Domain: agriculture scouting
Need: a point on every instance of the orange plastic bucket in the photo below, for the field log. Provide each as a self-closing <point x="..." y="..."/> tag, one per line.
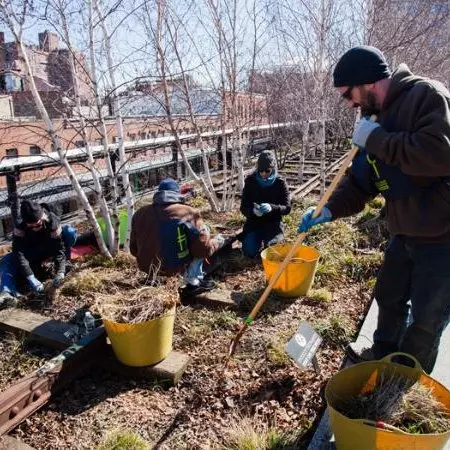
<point x="298" y="275"/>
<point x="355" y="434"/>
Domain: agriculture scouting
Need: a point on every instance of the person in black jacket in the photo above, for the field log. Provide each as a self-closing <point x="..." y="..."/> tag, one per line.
<point x="36" y="238"/>
<point x="265" y="199"/>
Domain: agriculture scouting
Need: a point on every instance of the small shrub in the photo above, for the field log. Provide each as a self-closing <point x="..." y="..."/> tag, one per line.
<point x="337" y="330"/>
<point x="234" y="218"/>
<point x="377" y="202"/>
<point x="321" y="295"/>
<point x="198" y="202"/>
<point x="362" y="267"/>
<point x="254" y="434"/>
<point x="82" y="283"/>
<point x="123" y="440"/>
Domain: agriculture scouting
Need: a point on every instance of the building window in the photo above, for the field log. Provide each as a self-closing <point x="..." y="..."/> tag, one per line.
<point x="143" y="135"/>
<point x="11" y="153"/>
<point x="79" y="144"/>
<point x="35" y="150"/>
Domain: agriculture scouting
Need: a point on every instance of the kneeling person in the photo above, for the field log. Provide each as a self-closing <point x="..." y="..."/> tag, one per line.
<point x="172" y="235"/>
<point x="36" y="238"/>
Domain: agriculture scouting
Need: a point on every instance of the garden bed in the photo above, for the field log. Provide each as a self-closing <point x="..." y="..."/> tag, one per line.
<point x="262" y="395"/>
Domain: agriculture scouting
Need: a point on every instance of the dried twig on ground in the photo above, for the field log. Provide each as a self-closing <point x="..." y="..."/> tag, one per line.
<point x="400" y="402"/>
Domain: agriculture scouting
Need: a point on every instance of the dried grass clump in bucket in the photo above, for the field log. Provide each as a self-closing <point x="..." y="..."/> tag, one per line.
<point x="138" y="305"/>
<point x="401" y="403"/>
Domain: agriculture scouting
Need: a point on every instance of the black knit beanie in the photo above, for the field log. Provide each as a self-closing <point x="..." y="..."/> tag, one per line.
<point x="360" y="65"/>
<point x="30" y="211"/>
<point x="266" y="160"/>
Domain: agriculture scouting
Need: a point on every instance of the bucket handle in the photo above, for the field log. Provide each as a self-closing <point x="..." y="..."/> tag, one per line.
<point x="381" y="425"/>
<point x="294" y="259"/>
<point x="389" y="358"/>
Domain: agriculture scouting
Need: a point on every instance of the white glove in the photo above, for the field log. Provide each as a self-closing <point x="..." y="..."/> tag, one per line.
<point x="220" y="241"/>
<point x="265" y="208"/>
<point x="363" y="128"/>
<point x="257" y="212"/>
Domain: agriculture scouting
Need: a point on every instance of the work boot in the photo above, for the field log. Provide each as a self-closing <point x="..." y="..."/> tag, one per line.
<point x="204" y="286"/>
<point x="7" y="300"/>
<point x="360" y="352"/>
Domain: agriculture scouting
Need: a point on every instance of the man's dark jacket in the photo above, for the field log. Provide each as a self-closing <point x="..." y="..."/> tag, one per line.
<point x="414" y="137"/>
<point x="32" y="248"/>
<point x="277" y="195"/>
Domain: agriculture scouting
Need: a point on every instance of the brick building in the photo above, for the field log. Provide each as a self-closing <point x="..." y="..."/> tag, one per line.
<point x="51" y="72"/>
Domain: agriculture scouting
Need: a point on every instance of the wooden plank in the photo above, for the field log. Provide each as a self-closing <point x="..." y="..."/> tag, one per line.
<point x="217" y="297"/>
<point x="167" y="372"/>
<point x="38" y="328"/>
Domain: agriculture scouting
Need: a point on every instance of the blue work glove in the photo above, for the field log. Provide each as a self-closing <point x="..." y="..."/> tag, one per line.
<point x="256" y="211"/>
<point x="58" y="280"/>
<point x="363" y="128"/>
<point x="308" y="221"/>
<point x="265" y="208"/>
<point x="35" y="284"/>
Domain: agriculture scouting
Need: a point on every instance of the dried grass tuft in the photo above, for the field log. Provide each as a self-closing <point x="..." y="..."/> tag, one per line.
<point x="140" y="305"/>
<point x="399" y="402"/>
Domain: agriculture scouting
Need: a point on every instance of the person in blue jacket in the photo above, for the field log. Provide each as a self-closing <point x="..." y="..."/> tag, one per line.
<point x="265" y="199"/>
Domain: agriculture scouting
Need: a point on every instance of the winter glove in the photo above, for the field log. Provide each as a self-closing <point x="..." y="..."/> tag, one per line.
<point x="308" y="222"/>
<point x="363" y="128"/>
<point x="220" y="241"/>
<point x="35" y="284"/>
<point x="265" y="208"/>
<point x="256" y="211"/>
<point x="58" y="280"/>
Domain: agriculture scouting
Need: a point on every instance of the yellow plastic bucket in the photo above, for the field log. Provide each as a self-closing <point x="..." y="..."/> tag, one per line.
<point x="354" y="434"/>
<point x="142" y="344"/>
<point x="298" y="275"/>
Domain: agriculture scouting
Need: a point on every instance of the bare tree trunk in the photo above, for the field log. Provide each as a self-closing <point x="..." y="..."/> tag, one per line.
<point x="304" y="150"/>
<point x="54" y="137"/>
<point x="91" y="163"/>
<point x="113" y="232"/>
<point x="321" y="144"/>
<point x="206" y="183"/>
<point x="123" y="170"/>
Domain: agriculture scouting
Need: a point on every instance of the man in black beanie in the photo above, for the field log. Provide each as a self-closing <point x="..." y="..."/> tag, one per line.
<point x="404" y="156"/>
<point x="36" y="238"/>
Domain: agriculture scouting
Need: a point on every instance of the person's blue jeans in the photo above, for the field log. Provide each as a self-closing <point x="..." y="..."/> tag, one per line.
<point x="264" y="236"/>
<point x="69" y="237"/>
<point x="9" y="268"/>
<point x="419" y="274"/>
<point x="9" y="264"/>
<point x="194" y="272"/>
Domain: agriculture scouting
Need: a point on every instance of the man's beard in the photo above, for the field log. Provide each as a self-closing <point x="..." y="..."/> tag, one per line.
<point x="370" y="105"/>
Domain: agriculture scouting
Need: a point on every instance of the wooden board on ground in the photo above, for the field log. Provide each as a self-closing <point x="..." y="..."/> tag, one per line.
<point x="167" y="372"/>
<point x="217" y="297"/>
<point x="38" y="328"/>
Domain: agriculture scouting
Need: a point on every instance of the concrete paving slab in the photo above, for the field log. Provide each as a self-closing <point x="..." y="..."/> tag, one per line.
<point x="167" y="372"/>
<point x="323" y="438"/>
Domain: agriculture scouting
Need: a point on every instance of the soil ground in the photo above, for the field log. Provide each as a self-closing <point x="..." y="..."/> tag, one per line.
<point x="261" y="386"/>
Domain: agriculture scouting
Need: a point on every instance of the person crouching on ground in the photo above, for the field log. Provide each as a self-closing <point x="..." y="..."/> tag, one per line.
<point x="36" y="238"/>
<point x="172" y="235"/>
<point x="265" y="199"/>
